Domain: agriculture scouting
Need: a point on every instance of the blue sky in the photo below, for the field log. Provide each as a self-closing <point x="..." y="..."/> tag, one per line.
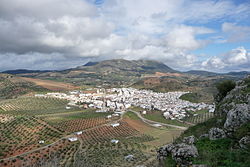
<point x="184" y="34"/>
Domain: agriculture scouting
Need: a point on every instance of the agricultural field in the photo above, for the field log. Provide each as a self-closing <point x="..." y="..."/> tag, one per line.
<point x="25" y="121"/>
<point x="60" y="154"/>
<point x="63" y="117"/>
<point x="111" y="155"/>
<point x="21" y="134"/>
<point x="33" y="106"/>
<point x="51" y="85"/>
<point x="80" y="124"/>
<point x="199" y="116"/>
<point x="107" y="133"/>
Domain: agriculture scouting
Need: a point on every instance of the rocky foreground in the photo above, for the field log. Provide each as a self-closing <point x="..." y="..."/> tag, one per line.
<point x="230" y="130"/>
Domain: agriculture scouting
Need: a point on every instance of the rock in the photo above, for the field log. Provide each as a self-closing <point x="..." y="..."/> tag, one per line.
<point x="225" y="108"/>
<point x="237" y="116"/>
<point x="204" y="136"/>
<point x="245" y="142"/>
<point x="189" y="140"/>
<point x="183" y="153"/>
<point x="216" y="133"/>
<point x="165" y="151"/>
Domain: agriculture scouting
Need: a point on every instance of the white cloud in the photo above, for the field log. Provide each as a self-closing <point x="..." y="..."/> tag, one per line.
<point x="53" y="31"/>
<point x="235" y="32"/>
<point x="184" y="37"/>
<point x="237" y="59"/>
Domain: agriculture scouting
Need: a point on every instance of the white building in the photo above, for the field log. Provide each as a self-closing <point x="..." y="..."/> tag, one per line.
<point x="115" y="124"/>
<point x="72" y="139"/>
<point x="114" y="141"/>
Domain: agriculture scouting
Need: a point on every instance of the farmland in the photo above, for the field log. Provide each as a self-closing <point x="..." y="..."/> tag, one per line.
<point x="33" y="106"/>
<point x="36" y="131"/>
<point x="21" y="134"/>
<point x="51" y="85"/>
<point x="199" y="116"/>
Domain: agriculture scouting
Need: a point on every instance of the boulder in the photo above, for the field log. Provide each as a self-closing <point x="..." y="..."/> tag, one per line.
<point x="245" y="142"/>
<point x="164" y="151"/>
<point x="183" y="153"/>
<point x="237" y="116"/>
<point x="189" y="140"/>
<point x="216" y="133"/>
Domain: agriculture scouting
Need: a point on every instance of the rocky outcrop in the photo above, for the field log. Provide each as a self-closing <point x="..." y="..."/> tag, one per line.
<point x="181" y="153"/>
<point x="189" y="140"/>
<point x="245" y="142"/>
<point x="216" y="133"/>
<point x="236" y="117"/>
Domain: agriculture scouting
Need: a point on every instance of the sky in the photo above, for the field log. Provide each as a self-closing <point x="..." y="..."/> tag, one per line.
<point x="212" y="35"/>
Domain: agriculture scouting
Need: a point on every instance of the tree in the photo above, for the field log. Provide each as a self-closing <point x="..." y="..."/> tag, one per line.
<point x="223" y="88"/>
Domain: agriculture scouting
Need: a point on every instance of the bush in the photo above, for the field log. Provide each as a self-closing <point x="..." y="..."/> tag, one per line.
<point x="223" y="88"/>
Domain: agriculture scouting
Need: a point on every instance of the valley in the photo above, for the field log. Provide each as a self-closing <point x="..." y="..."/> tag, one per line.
<point x="89" y="116"/>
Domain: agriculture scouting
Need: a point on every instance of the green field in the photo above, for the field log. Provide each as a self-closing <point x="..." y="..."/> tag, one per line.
<point x="157" y="116"/>
<point x="203" y="115"/>
<point x="73" y="115"/>
<point x="34" y="106"/>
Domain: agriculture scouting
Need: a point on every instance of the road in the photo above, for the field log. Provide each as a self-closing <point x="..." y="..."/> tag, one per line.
<point x="150" y="122"/>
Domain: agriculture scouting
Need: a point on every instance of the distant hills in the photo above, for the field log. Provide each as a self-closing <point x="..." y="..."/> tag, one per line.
<point x="239" y="74"/>
<point x="118" y="72"/>
<point x="24" y="71"/>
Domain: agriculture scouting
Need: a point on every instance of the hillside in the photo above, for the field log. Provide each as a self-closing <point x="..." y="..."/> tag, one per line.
<point x="221" y="141"/>
<point x="12" y="86"/>
<point x="115" y="72"/>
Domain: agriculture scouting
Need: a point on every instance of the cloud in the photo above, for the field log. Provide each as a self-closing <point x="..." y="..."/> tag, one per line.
<point x="237" y="59"/>
<point x="73" y="31"/>
<point x="236" y="33"/>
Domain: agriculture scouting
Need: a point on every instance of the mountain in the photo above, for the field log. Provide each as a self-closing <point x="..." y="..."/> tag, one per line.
<point x="24" y="71"/>
<point x="109" y="72"/>
<point x="201" y="72"/>
<point x="119" y="65"/>
<point x="240" y="74"/>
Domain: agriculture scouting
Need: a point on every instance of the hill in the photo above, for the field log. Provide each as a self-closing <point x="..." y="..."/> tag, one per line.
<point x="24" y="71"/>
<point x="115" y="72"/>
<point x="200" y="72"/>
<point x="221" y="141"/>
<point x="12" y="86"/>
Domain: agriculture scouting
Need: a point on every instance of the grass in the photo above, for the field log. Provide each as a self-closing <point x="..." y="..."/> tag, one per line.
<point x="161" y="135"/>
<point x="221" y="153"/>
<point x="131" y="115"/>
<point x="158" y="117"/>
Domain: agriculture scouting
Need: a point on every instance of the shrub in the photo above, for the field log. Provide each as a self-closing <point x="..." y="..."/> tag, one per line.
<point x="223" y="88"/>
